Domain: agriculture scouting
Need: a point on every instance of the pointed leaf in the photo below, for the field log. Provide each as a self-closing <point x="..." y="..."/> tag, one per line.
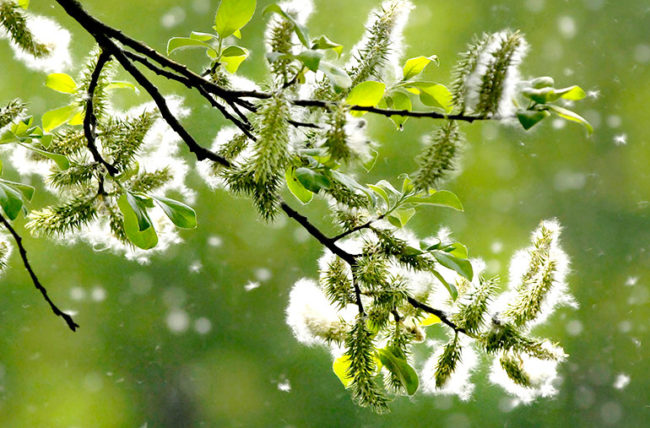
<point x="296" y="188"/>
<point x="461" y="266"/>
<point x="530" y="118"/>
<point x="181" y="215"/>
<point x="453" y="291"/>
<point x="25" y="189"/>
<point x="54" y="118"/>
<point x="574" y="93"/>
<point x="324" y="43"/>
<point x="61" y="161"/>
<point x="572" y="116"/>
<point x="176" y="43"/>
<point x="415" y="66"/>
<point x="310" y="58"/>
<point x="441" y="198"/>
<point x="233" y="15"/>
<point x="337" y="76"/>
<point x="366" y="94"/>
<point x="301" y="31"/>
<point x="61" y="82"/>
<point x="11" y="200"/>
<point x="400" y="368"/>
<point x="430" y="320"/>
<point x="144" y="239"/>
<point x="312" y="180"/>
<point x="233" y="56"/>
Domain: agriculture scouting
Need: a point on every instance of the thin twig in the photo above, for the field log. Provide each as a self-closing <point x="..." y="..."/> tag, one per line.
<point x="90" y="121"/>
<point x="23" y="254"/>
<point x="357" y="228"/>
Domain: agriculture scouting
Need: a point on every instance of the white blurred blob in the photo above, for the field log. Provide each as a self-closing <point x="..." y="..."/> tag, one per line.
<point x="574" y="327"/>
<point x="98" y="294"/>
<point x="496" y="247"/>
<point x="177" y="321"/>
<point x="567" y="26"/>
<point x="620" y="139"/>
<point x="569" y="180"/>
<point x="284" y="386"/>
<point x="77" y="293"/>
<point x="611" y="413"/>
<point x="196" y="266"/>
<point x="93" y="382"/>
<point x="631" y="281"/>
<point x="202" y="325"/>
<point x="642" y="54"/>
<point x="251" y="285"/>
<point x="614" y="121"/>
<point x="215" y="241"/>
<point x="201" y="6"/>
<point x="173" y="17"/>
<point x="622" y="380"/>
<point x="534" y="5"/>
<point x="263" y="274"/>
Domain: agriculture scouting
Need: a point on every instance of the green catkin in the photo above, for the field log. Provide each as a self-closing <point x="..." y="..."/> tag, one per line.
<point x="58" y="220"/>
<point x="11" y="112"/>
<point x="360" y="349"/>
<point x="494" y="79"/>
<point x="448" y="361"/>
<point x="472" y="312"/>
<point x="337" y="284"/>
<point x="14" y="21"/>
<point x="513" y="365"/>
<point x="465" y="66"/>
<point x="438" y="158"/>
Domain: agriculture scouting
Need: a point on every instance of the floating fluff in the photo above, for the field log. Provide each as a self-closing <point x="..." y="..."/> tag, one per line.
<point x="5" y="251"/>
<point x="458" y="382"/>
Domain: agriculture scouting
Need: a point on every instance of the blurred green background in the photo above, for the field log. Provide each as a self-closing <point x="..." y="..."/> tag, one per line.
<point x="127" y="366"/>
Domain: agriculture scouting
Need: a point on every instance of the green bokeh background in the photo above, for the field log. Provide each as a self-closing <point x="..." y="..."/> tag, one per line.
<point x="125" y="368"/>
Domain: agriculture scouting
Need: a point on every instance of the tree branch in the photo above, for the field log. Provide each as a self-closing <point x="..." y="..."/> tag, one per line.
<point x="90" y="121"/>
<point x="23" y="254"/>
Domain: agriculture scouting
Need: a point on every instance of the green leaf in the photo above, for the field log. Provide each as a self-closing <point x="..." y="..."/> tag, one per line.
<point x="572" y="116"/>
<point x="310" y="58"/>
<point x="573" y="93"/>
<point x="233" y="56"/>
<point x="26" y="190"/>
<point x="61" y="161"/>
<point x="301" y="31"/>
<point x="144" y="239"/>
<point x="381" y="192"/>
<point x="370" y="164"/>
<point x="457" y="250"/>
<point x="61" y="82"/>
<point x="176" y="43"/>
<point x="204" y="37"/>
<point x="312" y="180"/>
<point x="436" y="95"/>
<point x="400" y="217"/>
<point x="462" y="266"/>
<point x="441" y="198"/>
<point x="119" y="84"/>
<point x="139" y="206"/>
<point x="341" y="368"/>
<point x="407" y="183"/>
<point x="542" y="82"/>
<point x="401" y="101"/>
<point x="181" y="215"/>
<point x="23" y="3"/>
<point x="453" y="291"/>
<point x="339" y="79"/>
<point x="233" y="15"/>
<point x="400" y="368"/>
<point x="324" y="43"/>
<point x="415" y="66"/>
<point x="54" y="118"/>
<point x="11" y="200"/>
<point x="366" y="94"/>
<point x="530" y="118"/>
<point x="296" y="187"/>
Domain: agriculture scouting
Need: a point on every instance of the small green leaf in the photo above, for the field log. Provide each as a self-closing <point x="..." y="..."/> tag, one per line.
<point x="370" y="164"/>
<point x="176" y="43"/>
<point x="462" y="266"/>
<point x="119" y="84"/>
<point x="312" y="180"/>
<point x="296" y="187"/>
<point x="310" y="58"/>
<point x="530" y="118"/>
<point x="61" y="161"/>
<point x="542" y="82"/>
<point x="139" y="207"/>
<point x="453" y="291"/>
<point x="541" y="95"/>
<point x="26" y="190"/>
<point x="381" y="192"/>
<point x="54" y="118"/>
<point x="400" y="217"/>
<point x="457" y="250"/>
<point x="366" y="94"/>
<point x="436" y="95"/>
<point x="441" y="198"/>
<point x="400" y="368"/>
<point x="204" y="37"/>
<point x="324" y="43"/>
<point x="11" y="200"/>
<point x="24" y="4"/>
<point x="61" y="82"/>
<point x="144" y="239"/>
<point x="339" y="79"/>
<point x="573" y="93"/>
<point x="401" y="101"/>
<point x="233" y="56"/>
<point x="341" y="368"/>
<point x="572" y="116"/>
<point x="181" y="215"/>
<point x="415" y="66"/>
<point x="233" y="15"/>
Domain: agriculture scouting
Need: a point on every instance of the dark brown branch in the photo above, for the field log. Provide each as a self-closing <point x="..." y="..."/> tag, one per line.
<point x="242" y="126"/>
<point x="23" y="254"/>
<point x="437" y="312"/>
<point x="90" y="121"/>
<point x="358" y="228"/>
